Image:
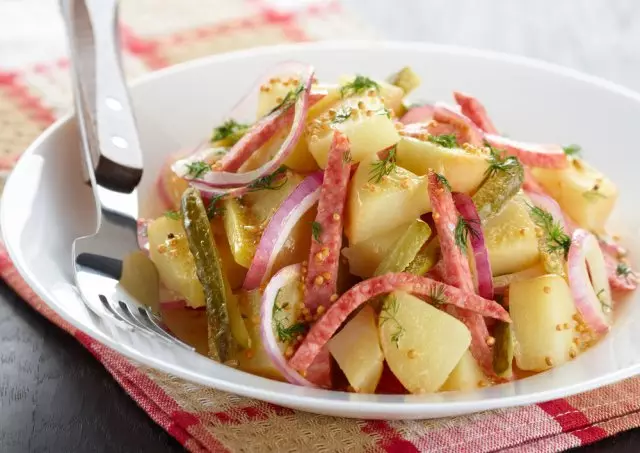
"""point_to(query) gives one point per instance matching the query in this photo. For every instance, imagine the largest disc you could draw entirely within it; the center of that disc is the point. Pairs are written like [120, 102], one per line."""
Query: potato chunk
[356, 348]
[364, 257]
[169, 251]
[584, 193]
[511, 239]
[467, 375]
[542, 311]
[464, 169]
[421, 344]
[374, 208]
[369, 129]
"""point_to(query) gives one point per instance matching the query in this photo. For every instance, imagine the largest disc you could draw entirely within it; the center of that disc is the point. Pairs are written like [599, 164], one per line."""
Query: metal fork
[116, 280]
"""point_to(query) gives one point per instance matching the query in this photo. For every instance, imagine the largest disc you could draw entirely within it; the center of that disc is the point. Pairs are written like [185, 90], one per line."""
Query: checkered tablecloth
[34, 90]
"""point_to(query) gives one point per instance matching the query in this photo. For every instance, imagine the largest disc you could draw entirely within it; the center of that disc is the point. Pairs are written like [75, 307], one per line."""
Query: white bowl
[46, 205]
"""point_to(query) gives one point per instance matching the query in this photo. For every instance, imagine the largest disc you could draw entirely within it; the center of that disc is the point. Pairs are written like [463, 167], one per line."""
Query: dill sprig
[500, 162]
[231, 130]
[274, 181]
[359, 85]
[215, 208]
[173, 215]
[388, 314]
[286, 334]
[198, 168]
[436, 295]
[623, 270]
[383, 167]
[555, 237]
[444, 140]
[383, 111]
[316, 230]
[572, 150]
[290, 99]
[463, 229]
[444, 181]
[342, 115]
[605, 306]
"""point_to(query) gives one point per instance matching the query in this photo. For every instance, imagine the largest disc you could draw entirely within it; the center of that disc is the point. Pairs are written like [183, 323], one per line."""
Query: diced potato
[300, 158]
[391, 94]
[375, 208]
[241, 229]
[254, 360]
[511, 238]
[367, 133]
[467, 375]
[584, 193]
[173, 259]
[356, 348]
[542, 311]
[264, 203]
[365, 256]
[422, 345]
[465, 170]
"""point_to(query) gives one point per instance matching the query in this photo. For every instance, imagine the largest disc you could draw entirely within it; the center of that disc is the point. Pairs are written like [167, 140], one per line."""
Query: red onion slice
[227, 179]
[418, 114]
[532, 154]
[589, 282]
[322, 331]
[284, 276]
[475, 111]
[468, 211]
[468, 131]
[304, 196]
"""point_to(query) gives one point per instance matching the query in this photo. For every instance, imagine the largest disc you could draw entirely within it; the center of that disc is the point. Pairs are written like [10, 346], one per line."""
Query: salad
[348, 238]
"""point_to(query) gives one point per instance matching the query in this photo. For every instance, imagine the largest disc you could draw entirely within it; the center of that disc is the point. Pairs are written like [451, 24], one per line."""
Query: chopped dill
[274, 181]
[198, 168]
[383, 167]
[444, 140]
[572, 150]
[555, 237]
[462, 231]
[500, 162]
[388, 314]
[359, 85]
[316, 230]
[173, 215]
[231, 130]
[443, 181]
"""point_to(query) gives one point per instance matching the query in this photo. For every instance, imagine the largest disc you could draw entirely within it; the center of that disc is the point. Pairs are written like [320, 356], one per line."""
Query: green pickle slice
[405, 250]
[209, 272]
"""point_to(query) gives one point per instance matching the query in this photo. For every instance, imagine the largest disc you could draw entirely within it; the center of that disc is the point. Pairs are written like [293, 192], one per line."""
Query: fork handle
[117, 158]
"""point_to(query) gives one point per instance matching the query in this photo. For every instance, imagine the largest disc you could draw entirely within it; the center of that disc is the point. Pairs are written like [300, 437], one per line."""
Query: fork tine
[151, 319]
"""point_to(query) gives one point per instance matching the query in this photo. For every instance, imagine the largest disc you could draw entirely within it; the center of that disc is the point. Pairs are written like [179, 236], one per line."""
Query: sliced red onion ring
[611, 247]
[418, 114]
[227, 179]
[469, 131]
[532, 154]
[143, 238]
[466, 208]
[589, 282]
[284, 276]
[304, 196]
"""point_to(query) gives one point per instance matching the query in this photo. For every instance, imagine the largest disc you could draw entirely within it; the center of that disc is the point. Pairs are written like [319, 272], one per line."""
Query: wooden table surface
[54, 397]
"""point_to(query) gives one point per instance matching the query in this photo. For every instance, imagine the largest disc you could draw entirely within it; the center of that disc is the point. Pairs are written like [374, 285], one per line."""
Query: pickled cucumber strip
[209, 272]
[241, 231]
[405, 250]
[236, 322]
[503, 350]
[500, 186]
[425, 259]
[406, 79]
